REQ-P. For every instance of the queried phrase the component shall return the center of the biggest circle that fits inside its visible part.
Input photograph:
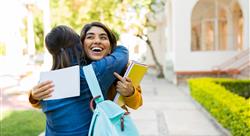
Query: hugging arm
(103, 68)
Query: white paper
(66, 82)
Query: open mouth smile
(96, 49)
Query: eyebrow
(102, 34)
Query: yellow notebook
(135, 72)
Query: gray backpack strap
(93, 83)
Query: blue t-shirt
(72, 116)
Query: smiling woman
(98, 41)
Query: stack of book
(135, 72)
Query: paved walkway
(168, 110)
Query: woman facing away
(46, 87)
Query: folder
(66, 81)
(135, 72)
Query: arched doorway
(217, 25)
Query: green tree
(123, 15)
(76, 13)
(145, 12)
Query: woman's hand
(42, 90)
(124, 86)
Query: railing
(235, 64)
(232, 66)
(244, 65)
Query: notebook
(135, 72)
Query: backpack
(108, 119)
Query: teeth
(96, 49)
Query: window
(217, 25)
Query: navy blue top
(72, 116)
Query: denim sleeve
(105, 67)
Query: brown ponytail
(62, 43)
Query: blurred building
(204, 38)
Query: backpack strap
(93, 83)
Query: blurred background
(177, 39)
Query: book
(135, 71)
(66, 81)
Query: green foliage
(76, 13)
(39, 32)
(240, 87)
(114, 13)
(27, 122)
(231, 110)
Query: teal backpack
(108, 119)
